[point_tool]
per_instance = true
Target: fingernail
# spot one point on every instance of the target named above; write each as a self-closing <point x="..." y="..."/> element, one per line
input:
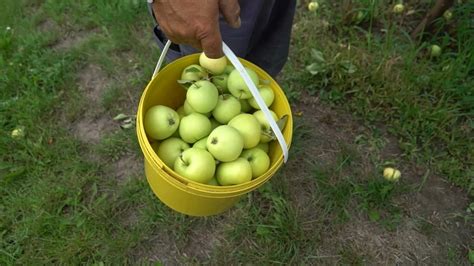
<point x="238" y="23"/>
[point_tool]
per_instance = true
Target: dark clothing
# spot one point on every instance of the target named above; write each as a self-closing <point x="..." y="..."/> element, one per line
<point x="263" y="38"/>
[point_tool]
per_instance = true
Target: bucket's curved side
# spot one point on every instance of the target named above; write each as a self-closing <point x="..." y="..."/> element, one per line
<point x="184" y="201"/>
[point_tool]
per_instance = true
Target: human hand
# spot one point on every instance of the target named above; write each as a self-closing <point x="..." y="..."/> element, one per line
<point x="196" y="22"/>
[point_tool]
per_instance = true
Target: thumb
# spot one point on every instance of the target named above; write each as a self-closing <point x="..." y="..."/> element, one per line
<point x="211" y="43"/>
<point x="230" y="9"/>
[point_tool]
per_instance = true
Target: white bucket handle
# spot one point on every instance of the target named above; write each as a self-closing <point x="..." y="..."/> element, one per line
<point x="253" y="89"/>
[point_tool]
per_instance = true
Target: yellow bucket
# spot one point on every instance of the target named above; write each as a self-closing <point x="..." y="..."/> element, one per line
<point x="177" y="192"/>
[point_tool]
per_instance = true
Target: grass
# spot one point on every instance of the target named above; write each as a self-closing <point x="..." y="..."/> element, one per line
<point x="425" y="102"/>
<point x="62" y="203"/>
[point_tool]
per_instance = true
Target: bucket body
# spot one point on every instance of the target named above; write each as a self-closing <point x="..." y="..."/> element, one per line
<point x="176" y="191"/>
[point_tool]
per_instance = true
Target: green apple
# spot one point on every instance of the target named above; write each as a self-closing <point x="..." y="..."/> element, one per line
<point x="193" y="73"/>
<point x="448" y="15"/>
<point x="202" y="96"/>
<point x="189" y="110"/>
<point x="435" y="50"/>
<point x="225" y="143"/>
<point x="249" y="127"/>
<point x="258" y="159"/>
<point x="245" y="106"/>
<point x="313" y="6"/>
<point x="265" y="125"/>
<point x="227" y="108"/>
<point x="181" y="112"/>
<point x="228" y="69"/>
<point x="237" y="86"/>
<point x="267" y="94"/>
<point x="398" y="8"/>
<point x="221" y="83"/>
<point x="170" y="149"/>
<point x="213" y="182"/>
<point x="234" y="173"/>
<point x="201" y="144"/>
<point x="263" y="146"/>
<point x="215" y="66"/>
<point x="214" y="124"/>
<point x="196" y="164"/>
<point x="160" y="122"/>
<point x="176" y="134"/>
<point x="194" y="127"/>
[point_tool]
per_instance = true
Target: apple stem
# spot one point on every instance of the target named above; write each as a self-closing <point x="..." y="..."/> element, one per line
<point x="182" y="160"/>
<point x="171" y="121"/>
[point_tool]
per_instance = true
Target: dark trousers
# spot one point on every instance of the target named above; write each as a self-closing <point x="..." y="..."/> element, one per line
<point x="263" y="38"/>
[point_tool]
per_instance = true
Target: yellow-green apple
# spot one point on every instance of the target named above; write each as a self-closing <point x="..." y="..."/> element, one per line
<point x="267" y="95"/>
<point x="225" y="143"/>
<point x="398" y="8"/>
<point x="263" y="146"/>
<point x="181" y="112"/>
<point x="249" y="127"/>
<point x="214" y="123"/>
<point x="227" y="108"/>
<point x="201" y="144"/>
<point x="215" y="66"/>
<point x="313" y="6"/>
<point x="237" y="85"/>
<point x="194" y="127"/>
<point x="234" y="173"/>
<point x="160" y="122"/>
<point x="170" y="149"/>
<point x="245" y="106"/>
<point x="258" y="159"/>
<point x="202" y="96"/>
<point x="189" y="110"/>
<point x="195" y="164"/>
<point x="265" y="125"/>
<point x="435" y="50"/>
<point x="221" y="82"/>
<point x="193" y="73"/>
<point x="228" y="69"/>
<point x="213" y="182"/>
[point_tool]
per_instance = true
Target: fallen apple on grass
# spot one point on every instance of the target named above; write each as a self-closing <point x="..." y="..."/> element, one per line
<point x="398" y="8"/>
<point x="313" y="6"/>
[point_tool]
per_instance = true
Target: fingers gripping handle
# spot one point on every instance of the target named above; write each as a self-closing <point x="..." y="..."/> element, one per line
<point x="253" y="89"/>
<point x="256" y="95"/>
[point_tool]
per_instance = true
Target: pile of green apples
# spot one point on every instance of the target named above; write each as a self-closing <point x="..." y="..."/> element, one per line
<point x="219" y="136"/>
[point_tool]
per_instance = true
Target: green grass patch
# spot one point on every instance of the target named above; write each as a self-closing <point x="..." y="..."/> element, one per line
<point x="373" y="70"/>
